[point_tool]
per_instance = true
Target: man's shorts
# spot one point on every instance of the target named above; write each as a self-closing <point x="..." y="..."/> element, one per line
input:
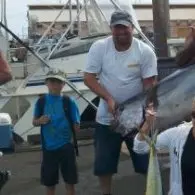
<point x="107" y="150"/>
<point x="62" y="159"/>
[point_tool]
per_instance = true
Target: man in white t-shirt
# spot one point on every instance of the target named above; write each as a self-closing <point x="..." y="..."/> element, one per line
<point x="125" y="66"/>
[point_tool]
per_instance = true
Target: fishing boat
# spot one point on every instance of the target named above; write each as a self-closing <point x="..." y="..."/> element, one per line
<point x="71" y="59"/>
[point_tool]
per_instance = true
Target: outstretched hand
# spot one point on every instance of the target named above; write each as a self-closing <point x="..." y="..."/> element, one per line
<point x="150" y="117"/>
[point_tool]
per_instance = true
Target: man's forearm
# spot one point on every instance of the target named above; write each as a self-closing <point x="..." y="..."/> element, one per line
<point x="150" y="86"/>
<point x="91" y="82"/>
<point x="149" y="83"/>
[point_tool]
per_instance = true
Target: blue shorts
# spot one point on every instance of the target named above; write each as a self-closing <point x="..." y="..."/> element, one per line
<point x="62" y="159"/>
<point x="107" y="150"/>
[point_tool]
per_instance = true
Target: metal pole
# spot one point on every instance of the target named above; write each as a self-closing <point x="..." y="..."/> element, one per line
<point x="62" y="37"/>
<point x="138" y="30"/>
<point x="50" y="26"/>
<point x="86" y="15"/>
<point x="160" y="30"/>
<point x="70" y="15"/>
<point x="45" y="64"/>
<point x="78" y="19"/>
<point x="6" y="34"/>
<point x="94" y="1"/>
<point x="2" y="10"/>
<point x="104" y="17"/>
<point x="167" y="17"/>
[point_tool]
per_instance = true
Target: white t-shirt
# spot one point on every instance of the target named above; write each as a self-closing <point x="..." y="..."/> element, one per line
<point x="120" y="73"/>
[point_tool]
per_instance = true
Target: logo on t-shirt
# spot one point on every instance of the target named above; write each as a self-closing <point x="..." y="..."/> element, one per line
<point x="132" y="65"/>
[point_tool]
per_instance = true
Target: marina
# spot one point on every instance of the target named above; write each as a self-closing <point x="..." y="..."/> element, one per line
<point x="61" y="42"/>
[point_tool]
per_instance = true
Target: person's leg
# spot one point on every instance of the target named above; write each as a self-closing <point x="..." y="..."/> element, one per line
<point x="70" y="189"/>
<point x="50" y="190"/>
<point x="68" y="168"/>
<point x="49" y="171"/>
<point x="140" y="161"/>
<point x="106" y="184"/>
<point x="107" y="151"/>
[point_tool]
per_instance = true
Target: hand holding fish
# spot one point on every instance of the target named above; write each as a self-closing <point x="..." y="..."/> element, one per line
<point x="150" y="114"/>
<point x="111" y="105"/>
<point x="149" y="120"/>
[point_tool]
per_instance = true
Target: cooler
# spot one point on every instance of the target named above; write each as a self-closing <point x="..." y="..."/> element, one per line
<point x="6" y="128"/>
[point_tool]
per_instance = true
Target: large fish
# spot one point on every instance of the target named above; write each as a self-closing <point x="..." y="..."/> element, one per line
<point x="174" y="93"/>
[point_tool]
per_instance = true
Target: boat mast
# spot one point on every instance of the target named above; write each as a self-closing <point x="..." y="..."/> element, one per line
<point x="78" y="19"/>
<point x="87" y="17"/>
<point x="161" y="26"/>
<point x="68" y="29"/>
<point x="4" y="20"/>
<point x="70" y="15"/>
<point x="51" y="25"/>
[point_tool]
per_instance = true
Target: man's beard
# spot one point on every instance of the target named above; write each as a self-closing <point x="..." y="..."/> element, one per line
<point x="122" y="40"/>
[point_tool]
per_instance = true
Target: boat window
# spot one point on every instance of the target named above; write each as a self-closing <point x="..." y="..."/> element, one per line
<point x="79" y="48"/>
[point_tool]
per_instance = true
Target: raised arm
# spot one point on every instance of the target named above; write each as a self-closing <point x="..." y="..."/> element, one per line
<point x="163" y="141"/>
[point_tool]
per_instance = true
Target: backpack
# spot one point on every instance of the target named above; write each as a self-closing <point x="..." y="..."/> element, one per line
<point x="67" y="110"/>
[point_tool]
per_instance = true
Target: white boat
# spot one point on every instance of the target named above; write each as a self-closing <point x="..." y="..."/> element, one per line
<point x="20" y="103"/>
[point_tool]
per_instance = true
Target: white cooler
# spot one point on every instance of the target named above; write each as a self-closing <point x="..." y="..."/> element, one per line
<point x="6" y="132"/>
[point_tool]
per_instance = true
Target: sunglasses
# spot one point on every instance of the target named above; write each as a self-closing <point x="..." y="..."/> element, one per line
<point x="193" y="114"/>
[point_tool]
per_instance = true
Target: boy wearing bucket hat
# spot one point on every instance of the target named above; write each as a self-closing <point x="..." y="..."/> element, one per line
<point x="56" y="135"/>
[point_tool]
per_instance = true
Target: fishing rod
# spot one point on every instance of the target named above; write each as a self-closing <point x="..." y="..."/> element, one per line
<point x="70" y="84"/>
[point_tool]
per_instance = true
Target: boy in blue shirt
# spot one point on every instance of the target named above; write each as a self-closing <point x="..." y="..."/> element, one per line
<point x="58" y="150"/>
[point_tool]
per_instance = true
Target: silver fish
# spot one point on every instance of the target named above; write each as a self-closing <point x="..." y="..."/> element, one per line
<point x="174" y="93"/>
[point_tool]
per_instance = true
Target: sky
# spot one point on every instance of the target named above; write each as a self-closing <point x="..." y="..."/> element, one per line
<point x="17" y="11"/>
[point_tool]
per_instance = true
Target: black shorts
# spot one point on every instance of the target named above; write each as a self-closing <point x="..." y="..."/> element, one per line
<point x="107" y="151"/>
<point x="62" y="159"/>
